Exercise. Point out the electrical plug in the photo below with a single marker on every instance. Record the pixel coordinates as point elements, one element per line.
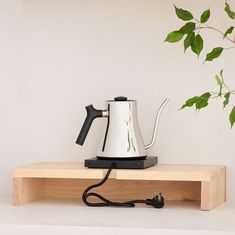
<point>157,201</point>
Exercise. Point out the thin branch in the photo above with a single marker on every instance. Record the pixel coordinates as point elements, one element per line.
<point>228,48</point>
<point>217,30</point>
<point>226,86</point>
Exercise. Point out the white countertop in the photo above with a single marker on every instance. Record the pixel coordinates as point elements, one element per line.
<point>70,217</point>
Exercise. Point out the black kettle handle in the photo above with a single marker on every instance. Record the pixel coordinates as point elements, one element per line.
<point>92,114</point>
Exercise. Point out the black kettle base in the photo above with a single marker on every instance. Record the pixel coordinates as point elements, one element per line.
<point>140,163</point>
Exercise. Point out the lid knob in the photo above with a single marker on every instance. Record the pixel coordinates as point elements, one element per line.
<point>120,98</point>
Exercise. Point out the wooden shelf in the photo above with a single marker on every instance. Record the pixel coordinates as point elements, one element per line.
<point>204,183</point>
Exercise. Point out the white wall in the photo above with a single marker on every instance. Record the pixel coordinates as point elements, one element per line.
<point>56,56</point>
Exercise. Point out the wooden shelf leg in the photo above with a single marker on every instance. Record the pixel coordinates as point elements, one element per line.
<point>26,190</point>
<point>213,191</point>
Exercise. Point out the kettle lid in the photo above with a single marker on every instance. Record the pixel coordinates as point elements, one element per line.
<point>120,98</point>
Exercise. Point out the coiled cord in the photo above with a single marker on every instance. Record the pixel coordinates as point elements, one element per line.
<point>157,201</point>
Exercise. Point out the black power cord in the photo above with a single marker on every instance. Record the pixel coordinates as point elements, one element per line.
<point>157,201</point>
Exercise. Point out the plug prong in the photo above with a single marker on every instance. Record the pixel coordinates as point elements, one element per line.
<point>159,196</point>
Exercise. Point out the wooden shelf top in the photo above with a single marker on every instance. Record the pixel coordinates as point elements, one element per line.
<point>159,172</point>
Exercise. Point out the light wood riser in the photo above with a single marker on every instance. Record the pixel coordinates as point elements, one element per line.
<point>205,184</point>
<point>113,189</point>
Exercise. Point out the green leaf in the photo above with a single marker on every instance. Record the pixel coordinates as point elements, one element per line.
<point>183,14</point>
<point>197,44</point>
<point>226,99</point>
<point>187,28</point>
<point>188,40</point>
<point>190,102</point>
<point>221,74</point>
<point>229,11</point>
<point>205,16</point>
<point>199,101</point>
<point>215,53</point>
<point>232,116</point>
<point>220,84</point>
<point>228,31</point>
<point>174,36</point>
<point>203,100</point>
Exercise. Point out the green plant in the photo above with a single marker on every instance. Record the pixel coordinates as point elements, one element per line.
<point>190,32</point>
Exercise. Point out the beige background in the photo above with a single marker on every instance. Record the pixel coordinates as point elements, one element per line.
<point>56,56</point>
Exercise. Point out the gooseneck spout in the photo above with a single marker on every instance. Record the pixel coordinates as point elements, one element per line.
<point>156,123</point>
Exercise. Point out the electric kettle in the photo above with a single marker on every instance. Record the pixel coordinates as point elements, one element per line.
<point>121,137</point>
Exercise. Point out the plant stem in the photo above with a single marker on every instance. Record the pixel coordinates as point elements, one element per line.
<point>228,48</point>
<point>226,86</point>
<point>223,93</point>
